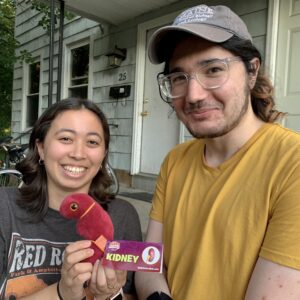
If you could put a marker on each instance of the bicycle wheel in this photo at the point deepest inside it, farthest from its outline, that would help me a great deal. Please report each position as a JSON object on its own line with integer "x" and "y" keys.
{"x": 114, "y": 187}
{"x": 10, "y": 178}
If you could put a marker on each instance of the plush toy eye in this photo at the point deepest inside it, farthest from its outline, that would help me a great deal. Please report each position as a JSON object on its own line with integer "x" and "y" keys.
{"x": 74, "y": 206}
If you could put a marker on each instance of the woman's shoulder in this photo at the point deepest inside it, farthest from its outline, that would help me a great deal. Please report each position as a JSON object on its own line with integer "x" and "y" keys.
{"x": 8, "y": 205}
{"x": 8, "y": 194}
{"x": 125, "y": 219}
{"x": 121, "y": 207}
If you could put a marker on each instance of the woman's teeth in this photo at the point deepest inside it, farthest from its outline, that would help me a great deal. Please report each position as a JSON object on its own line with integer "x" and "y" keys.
{"x": 75, "y": 170}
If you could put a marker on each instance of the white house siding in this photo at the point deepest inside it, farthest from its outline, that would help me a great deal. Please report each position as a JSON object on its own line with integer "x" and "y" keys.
{"x": 104, "y": 38}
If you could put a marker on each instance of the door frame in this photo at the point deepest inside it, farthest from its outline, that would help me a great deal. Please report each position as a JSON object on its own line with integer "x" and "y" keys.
{"x": 272, "y": 37}
{"x": 272, "y": 43}
{"x": 141, "y": 53}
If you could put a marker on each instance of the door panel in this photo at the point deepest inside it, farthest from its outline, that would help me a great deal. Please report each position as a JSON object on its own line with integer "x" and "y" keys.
{"x": 160, "y": 126}
{"x": 287, "y": 82}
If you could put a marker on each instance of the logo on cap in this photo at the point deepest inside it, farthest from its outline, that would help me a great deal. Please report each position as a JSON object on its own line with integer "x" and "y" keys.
{"x": 195, "y": 14}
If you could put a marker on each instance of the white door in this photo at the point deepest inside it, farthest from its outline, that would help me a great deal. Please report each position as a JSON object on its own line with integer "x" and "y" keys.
{"x": 160, "y": 126}
{"x": 156, "y": 128}
{"x": 287, "y": 69}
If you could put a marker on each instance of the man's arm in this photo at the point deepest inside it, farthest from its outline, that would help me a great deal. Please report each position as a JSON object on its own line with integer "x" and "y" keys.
{"x": 272, "y": 281}
{"x": 148, "y": 283}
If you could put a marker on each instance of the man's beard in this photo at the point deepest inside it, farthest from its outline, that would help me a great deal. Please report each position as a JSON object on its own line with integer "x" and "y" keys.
{"x": 231, "y": 124}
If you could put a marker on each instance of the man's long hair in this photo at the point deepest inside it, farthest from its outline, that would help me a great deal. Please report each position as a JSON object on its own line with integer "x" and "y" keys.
{"x": 262, "y": 94}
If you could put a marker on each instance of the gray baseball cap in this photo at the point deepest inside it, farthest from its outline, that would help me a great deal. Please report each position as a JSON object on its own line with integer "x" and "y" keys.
{"x": 213, "y": 23}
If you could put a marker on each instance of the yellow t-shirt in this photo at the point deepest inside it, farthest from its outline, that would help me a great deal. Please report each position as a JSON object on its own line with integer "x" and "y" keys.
{"x": 217, "y": 221}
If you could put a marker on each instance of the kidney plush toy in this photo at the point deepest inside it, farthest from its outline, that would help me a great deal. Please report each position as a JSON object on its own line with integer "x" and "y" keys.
{"x": 93, "y": 222}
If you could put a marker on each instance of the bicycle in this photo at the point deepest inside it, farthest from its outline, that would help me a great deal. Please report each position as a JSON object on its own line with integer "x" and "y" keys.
{"x": 10, "y": 177}
{"x": 115, "y": 186}
{"x": 11, "y": 152}
{"x": 113, "y": 189}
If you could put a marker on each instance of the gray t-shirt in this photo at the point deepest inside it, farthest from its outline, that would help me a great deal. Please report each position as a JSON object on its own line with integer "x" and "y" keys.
{"x": 32, "y": 252}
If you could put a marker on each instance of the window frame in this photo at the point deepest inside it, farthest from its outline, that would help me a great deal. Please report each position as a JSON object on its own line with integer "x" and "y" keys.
{"x": 26, "y": 93}
{"x": 68, "y": 65}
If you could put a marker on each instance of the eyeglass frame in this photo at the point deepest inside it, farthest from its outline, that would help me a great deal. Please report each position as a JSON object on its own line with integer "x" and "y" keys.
{"x": 168, "y": 99}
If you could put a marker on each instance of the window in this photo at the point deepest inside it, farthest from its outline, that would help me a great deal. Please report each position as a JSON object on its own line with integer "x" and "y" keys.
{"x": 32, "y": 103}
{"x": 79, "y": 72}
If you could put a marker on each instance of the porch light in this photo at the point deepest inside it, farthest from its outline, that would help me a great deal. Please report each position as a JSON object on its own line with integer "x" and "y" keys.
{"x": 116, "y": 57}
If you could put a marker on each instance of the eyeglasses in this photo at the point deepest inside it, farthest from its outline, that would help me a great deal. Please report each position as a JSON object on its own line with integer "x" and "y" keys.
{"x": 211, "y": 75}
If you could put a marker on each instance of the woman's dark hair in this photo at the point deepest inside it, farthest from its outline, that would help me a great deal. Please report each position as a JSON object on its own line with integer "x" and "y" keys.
{"x": 33, "y": 193}
{"x": 262, "y": 98}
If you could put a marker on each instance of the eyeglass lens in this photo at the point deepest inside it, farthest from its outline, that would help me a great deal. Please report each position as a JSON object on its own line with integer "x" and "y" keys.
{"x": 210, "y": 76}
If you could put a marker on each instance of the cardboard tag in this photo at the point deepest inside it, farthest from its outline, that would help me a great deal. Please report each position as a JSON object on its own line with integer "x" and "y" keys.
{"x": 133, "y": 256}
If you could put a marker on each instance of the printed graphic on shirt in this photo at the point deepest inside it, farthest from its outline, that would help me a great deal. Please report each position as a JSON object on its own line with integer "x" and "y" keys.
{"x": 33, "y": 264}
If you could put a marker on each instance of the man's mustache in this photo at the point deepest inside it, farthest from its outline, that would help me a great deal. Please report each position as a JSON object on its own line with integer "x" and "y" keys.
{"x": 201, "y": 105}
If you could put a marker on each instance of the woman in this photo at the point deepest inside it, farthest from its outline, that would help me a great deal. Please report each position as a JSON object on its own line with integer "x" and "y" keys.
{"x": 41, "y": 250}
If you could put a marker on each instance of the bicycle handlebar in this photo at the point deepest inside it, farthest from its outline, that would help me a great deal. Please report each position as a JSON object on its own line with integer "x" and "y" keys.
{"x": 5, "y": 139}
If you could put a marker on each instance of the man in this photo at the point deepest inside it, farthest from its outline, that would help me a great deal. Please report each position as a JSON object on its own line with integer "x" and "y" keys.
{"x": 226, "y": 205}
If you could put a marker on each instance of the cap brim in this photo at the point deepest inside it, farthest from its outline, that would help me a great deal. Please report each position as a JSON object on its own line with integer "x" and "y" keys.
{"x": 159, "y": 44}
